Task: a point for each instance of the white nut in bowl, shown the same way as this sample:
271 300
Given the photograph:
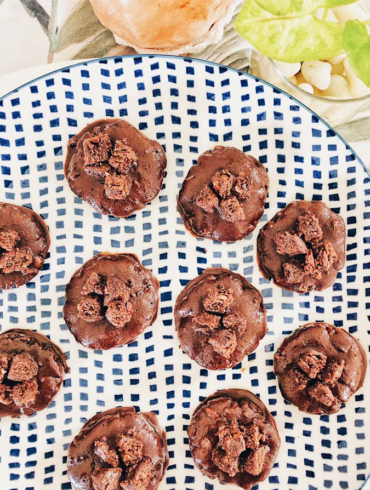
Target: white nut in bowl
306 87
300 78
350 12
317 73
317 92
288 69
338 88
337 59
337 69
356 86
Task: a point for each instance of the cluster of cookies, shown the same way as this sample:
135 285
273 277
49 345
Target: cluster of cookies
219 316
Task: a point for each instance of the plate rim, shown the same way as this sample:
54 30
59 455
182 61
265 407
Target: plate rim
198 60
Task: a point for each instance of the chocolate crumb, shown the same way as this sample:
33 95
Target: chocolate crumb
252 436
5 395
90 309
223 182
25 393
300 379
231 438
16 261
288 244
206 444
224 342
93 284
231 209
8 240
123 157
98 170
205 322
310 265
228 464
22 368
218 299
235 322
207 199
322 394
242 187
119 312
97 148
117 186
293 272
4 364
255 460
130 449
106 453
312 363
309 227
325 255
333 371
140 477
115 289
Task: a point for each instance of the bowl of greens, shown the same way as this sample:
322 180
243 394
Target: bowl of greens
316 50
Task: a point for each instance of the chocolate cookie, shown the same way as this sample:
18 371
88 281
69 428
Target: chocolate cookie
233 437
319 367
110 300
220 318
118 450
224 195
302 247
114 167
32 369
24 244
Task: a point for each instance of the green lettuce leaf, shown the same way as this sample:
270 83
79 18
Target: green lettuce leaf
294 35
294 8
276 7
356 41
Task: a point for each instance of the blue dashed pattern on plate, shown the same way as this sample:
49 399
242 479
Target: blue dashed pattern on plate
189 107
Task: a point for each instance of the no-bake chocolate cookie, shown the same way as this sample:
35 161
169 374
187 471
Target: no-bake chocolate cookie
32 369
110 300
233 437
319 367
224 195
24 244
114 167
220 318
119 449
302 247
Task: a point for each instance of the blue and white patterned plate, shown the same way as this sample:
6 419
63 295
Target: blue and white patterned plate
189 107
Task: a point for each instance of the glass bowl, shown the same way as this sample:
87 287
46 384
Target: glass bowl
333 111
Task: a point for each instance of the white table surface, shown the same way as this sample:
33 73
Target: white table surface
13 80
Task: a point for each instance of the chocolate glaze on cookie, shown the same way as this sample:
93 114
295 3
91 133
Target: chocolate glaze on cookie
220 318
233 437
110 300
32 369
114 167
119 449
224 195
319 367
302 247
24 244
